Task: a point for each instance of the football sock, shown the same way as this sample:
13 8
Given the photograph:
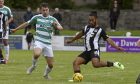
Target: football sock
47 70
6 52
109 64
77 71
34 61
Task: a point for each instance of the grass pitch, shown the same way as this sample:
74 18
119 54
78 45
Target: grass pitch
15 71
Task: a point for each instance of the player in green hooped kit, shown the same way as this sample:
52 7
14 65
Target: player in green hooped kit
44 28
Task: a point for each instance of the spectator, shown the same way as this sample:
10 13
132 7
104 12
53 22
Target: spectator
27 16
12 25
37 11
114 14
58 16
29 39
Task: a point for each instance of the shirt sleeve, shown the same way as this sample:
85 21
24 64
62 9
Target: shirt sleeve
10 14
32 20
55 20
104 35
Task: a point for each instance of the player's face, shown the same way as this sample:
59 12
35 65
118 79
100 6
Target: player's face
92 20
45 11
1 3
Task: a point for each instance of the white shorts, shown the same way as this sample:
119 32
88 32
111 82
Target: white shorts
46 49
7 35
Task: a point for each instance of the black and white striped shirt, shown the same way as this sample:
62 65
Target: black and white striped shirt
92 37
2 23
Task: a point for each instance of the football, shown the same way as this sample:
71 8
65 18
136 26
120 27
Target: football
77 77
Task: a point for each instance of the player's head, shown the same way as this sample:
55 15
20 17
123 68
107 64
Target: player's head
93 18
1 3
44 9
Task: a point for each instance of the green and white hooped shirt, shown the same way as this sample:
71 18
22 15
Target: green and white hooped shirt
44 27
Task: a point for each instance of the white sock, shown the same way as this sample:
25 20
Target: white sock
47 70
6 52
34 61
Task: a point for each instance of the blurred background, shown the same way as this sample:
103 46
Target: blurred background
74 12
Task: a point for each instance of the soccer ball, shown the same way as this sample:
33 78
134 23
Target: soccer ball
77 77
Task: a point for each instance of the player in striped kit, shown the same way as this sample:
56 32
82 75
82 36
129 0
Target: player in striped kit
9 17
45 25
93 32
2 34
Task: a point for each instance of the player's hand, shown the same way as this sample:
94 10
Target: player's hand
68 41
13 30
54 24
120 48
138 43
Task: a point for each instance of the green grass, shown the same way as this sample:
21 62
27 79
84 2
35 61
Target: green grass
15 71
123 33
73 32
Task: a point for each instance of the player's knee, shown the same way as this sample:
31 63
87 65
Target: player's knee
36 56
75 63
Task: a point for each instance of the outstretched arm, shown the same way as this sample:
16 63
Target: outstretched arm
79 35
57 26
20 26
138 43
112 43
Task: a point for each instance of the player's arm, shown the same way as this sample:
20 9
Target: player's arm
10 17
20 26
9 20
57 26
78 36
138 43
112 43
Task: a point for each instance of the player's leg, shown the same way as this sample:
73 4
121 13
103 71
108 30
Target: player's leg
76 64
115 23
48 67
29 45
1 55
48 53
2 61
83 58
6 46
36 53
97 63
95 58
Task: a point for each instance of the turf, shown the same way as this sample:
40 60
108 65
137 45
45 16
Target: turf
15 71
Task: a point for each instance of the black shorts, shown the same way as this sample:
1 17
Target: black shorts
88 55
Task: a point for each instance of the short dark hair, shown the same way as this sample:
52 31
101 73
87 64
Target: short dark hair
44 5
93 13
